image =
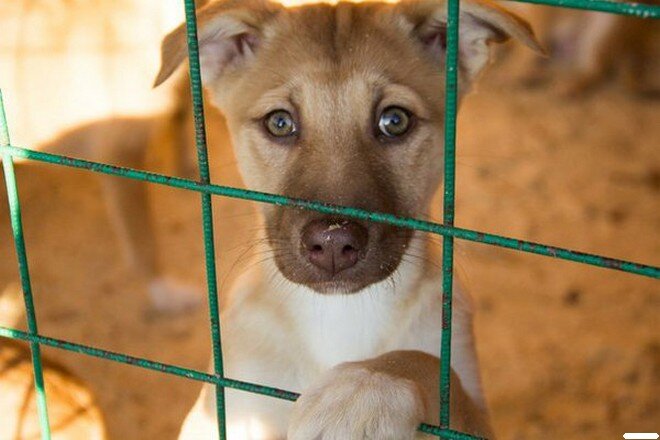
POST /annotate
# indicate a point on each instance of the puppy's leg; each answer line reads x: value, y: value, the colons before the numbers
x: 200, y: 422
x: 130, y: 213
x: 128, y: 208
x: 382, y: 398
x: 249, y: 417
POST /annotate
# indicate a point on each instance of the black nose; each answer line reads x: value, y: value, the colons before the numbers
x: 334, y: 245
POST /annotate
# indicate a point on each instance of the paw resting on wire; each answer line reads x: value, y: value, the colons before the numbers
x: 351, y: 401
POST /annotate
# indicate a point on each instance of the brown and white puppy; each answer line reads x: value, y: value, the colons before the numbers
x: 340, y: 103
x: 585, y: 47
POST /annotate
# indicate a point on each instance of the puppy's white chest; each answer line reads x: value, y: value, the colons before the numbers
x: 341, y: 328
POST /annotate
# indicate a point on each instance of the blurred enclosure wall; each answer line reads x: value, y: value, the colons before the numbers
x: 63, y: 62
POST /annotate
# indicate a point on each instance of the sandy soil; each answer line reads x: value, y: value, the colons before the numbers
x: 568, y: 351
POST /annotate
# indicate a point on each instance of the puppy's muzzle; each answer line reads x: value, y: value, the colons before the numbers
x: 334, y: 245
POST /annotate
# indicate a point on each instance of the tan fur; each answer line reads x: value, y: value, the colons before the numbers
x: 409, y: 379
x: 298, y: 66
x: 333, y: 68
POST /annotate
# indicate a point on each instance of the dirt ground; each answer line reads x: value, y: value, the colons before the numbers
x: 568, y: 351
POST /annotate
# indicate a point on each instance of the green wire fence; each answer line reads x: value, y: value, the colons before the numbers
x: 206, y: 190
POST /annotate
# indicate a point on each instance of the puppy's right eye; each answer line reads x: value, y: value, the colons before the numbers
x: 394, y: 122
x: 280, y: 123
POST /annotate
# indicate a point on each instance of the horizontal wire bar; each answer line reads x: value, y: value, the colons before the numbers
x: 379, y: 217
x: 148, y: 364
x: 634, y: 9
x: 448, y: 434
x: 188, y: 373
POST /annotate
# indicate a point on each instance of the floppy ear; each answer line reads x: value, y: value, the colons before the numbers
x: 229, y: 32
x: 480, y: 24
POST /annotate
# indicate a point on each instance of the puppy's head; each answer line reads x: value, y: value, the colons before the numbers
x: 343, y: 104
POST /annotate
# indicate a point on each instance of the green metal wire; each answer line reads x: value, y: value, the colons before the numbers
x: 207, y: 209
x: 451, y: 109
x: 26, y: 284
x: 325, y: 208
x: 148, y: 364
x: 203, y: 186
x: 640, y: 10
x: 6, y: 332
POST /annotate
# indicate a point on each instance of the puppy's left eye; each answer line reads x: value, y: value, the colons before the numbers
x: 280, y: 124
x: 394, y: 122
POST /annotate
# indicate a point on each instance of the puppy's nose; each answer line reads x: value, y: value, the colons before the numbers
x: 334, y: 245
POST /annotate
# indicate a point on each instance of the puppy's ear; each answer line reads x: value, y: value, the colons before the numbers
x: 229, y: 32
x: 480, y: 24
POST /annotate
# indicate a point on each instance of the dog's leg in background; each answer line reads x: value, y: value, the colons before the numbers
x: 127, y: 142
x: 131, y: 214
x: 130, y: 210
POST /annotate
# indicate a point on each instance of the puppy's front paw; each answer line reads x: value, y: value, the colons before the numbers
x: 351, y: 402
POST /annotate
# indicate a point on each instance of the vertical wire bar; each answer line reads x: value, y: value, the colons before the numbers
x: 451, y: 100
x: 207, y: 208
x: 26, y: 284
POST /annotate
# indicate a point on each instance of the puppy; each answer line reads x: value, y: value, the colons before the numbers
x: 340, y: 103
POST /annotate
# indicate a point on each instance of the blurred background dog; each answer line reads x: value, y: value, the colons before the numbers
x: 587, y: 48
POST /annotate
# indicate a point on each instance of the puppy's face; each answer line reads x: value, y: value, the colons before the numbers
x: 342, y: 104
